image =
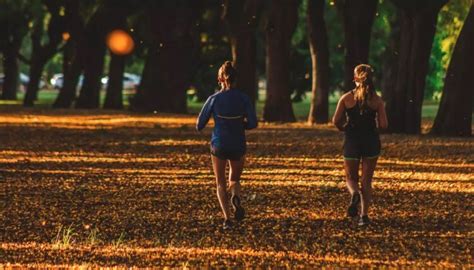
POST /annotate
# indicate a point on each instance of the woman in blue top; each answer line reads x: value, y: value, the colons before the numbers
x: 364, y: 113
x: 233, y: 113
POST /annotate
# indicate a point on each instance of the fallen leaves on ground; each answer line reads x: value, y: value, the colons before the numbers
x: 95, y: 188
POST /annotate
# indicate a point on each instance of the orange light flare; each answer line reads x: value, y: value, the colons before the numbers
x: 120, y: 42
x: 66, y: 36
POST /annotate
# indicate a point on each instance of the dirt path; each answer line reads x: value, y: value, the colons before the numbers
x: 121, y: 189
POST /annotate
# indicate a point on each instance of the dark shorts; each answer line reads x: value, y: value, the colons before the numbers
x: 227, y: 154
x: 357, y: 147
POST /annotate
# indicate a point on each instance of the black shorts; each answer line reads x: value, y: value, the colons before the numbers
x: 227, y: 154
x: 357, y: 147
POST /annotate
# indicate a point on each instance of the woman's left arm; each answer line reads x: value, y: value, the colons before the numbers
x: 250, y: 115
x: 337, y: 119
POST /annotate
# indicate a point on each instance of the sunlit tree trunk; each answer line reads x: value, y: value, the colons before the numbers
x: 454, y: 116
x: 168, y: 69
x: 318, y: 44
x: 358, y: 16
x: 418, y: 26
x: 242, y: 19
x: 281, y: 22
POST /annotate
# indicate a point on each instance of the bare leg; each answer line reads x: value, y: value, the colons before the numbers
x: 368, y: 167
x: 219, y: 171
x: 236, y: 168
x: 351, y: 168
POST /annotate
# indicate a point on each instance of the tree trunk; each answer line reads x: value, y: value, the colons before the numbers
x: 13, y: 28
x: 318, y: 44
x: 12, y: 69
x: 242, y: 19
x: 72, y: 59
x: 418, y: 26
x: 113, y: 97
x: 67, y: 94
x: 281, y: 23
x: 358, y: 16
x: 36, y: 69
x: 454, y: 117
x: 92, y: 52
x: 168, y: 68
x: 42, y: 53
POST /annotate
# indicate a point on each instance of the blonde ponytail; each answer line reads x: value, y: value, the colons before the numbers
x: 365, y: 90
x: 227, y: 72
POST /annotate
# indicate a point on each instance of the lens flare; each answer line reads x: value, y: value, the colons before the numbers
x: 120, y: 42
x: 66, y: 36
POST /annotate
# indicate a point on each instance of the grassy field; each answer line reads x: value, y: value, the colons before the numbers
x: 95, y: 188
x: 301, y: 109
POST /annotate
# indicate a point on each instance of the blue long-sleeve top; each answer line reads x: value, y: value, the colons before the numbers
x: 233, y: 113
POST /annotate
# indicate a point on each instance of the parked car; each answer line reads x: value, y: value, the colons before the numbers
x: 23, y: 81
x: 57, y: 81
x: 130, y: 81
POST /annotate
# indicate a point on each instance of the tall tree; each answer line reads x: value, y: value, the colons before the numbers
x: 92, y: 53
x: 118, y: 21
x: 213, y: 49
x: 242, y: 19
x: 169, y: 66
x: 281, y: 22
x: 358, y: 18
x: 418, y: 26
x: 14, y: 18
x: 113, y: 92
x: 318, y: 44
x: 72, y: 57
x: 42, y: 52
x: 454, y: 117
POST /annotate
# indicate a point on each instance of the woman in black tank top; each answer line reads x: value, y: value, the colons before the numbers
x: 364, y: 113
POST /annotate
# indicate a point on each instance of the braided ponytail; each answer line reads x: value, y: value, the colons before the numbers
x: 365, y: 89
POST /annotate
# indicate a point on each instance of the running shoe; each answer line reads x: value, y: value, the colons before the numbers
x: 364, y: 221
x: 239, y: 212
x: 353, y: 207
x: 227, y: 225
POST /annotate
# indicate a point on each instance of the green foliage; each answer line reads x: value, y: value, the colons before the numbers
x: 381, y: 31
x: 214, y: 50
x: 336, y: 45
x: 300, y: 66
x: 23, y: 15
x: 450, y: 22
x: 15, y: 16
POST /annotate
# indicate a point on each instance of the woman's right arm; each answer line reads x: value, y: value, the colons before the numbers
x: 338, y: 118
x: 205, y: 114
x: 382, y: 115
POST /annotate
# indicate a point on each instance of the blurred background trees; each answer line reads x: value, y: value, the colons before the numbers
x: 287, y: 51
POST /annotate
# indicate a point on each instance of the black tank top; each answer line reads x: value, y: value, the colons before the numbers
x: 361, y: 121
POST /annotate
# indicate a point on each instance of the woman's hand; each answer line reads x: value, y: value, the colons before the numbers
x: 338, y: 118
x: 341, y: 125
